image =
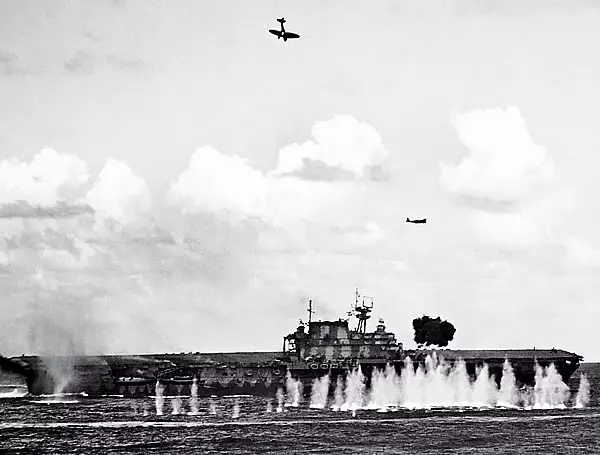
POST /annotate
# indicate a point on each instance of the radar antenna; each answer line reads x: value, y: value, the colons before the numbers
x: 362, y: 308
x: 310, y: 311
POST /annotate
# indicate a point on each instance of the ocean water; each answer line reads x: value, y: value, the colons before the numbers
x: 245, y: 424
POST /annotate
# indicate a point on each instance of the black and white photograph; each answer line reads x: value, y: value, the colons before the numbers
x: 299, y: 227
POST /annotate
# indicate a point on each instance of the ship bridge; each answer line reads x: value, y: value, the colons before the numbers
x: 334, y: 340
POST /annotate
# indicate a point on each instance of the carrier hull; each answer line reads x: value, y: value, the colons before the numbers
x: 326, y: 348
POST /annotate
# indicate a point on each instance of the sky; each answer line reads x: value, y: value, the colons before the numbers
x: 174, y: 178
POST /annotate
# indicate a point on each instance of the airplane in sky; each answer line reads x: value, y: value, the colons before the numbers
x: 423, y: 221
x: 282, y: 33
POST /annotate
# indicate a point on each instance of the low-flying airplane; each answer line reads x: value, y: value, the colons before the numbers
x: 423, y: 221
x: 282, y: 33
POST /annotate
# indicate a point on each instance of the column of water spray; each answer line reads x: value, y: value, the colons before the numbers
x: 194, y: 398
x: 385, y: 389
x: 294, y: 390
x: 236, y: 409
x: 279, y: 399
x: 485, y: 391
x: 508, y: 395
x: 158, y: 398
x: 354, y: 394
x: 583, y: 393
x: 338, y: 395
x: 550, y: 392
x: 319, y: 392
x: 176, y: 405
x: 438, y: 384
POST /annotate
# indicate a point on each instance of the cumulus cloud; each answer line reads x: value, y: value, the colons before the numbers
x: 43, y: 181
x: 119, y: 194
x: 215, y: 182
x: 504, y: 164
x: 342, y: 148
x: 174, y: 267
x: 507, y: 179
x: 218, y: 183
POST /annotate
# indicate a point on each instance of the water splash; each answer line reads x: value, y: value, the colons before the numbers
x: 583, y: 394
x: 319, y: 392
x: 212, y: 407
x: 269, y: 406
x: 437, y: 383
x: 338, y: 395
x: 236, y: 409
x: 508, y: 396
x: 385, y: 389
x: 354, y: 393
x: 61, y: 371
x: 159, y: 399
x: 194, y: 398
x: 279, y: 399
x: 176, y: 406
x: 550, y: 392
x: 16, y: 392
x: 484, y: 391
x: 294, y: 391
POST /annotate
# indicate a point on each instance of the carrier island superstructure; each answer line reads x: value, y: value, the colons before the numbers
x: 314, y: 349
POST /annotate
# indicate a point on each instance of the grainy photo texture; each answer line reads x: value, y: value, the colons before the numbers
x: 288, y: 227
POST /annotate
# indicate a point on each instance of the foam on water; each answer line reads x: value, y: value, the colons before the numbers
x: 17, y: 392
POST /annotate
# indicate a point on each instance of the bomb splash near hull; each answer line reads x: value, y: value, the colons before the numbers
x: 328, y: 365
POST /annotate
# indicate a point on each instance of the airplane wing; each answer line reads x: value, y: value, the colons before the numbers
x: 289, y: 35
x: 275, y: 32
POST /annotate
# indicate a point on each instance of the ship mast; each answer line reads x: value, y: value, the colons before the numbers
x: 310, y: 311
x: 362, y: 310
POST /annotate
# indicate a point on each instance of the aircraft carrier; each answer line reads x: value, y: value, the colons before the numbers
x: 313, y: 350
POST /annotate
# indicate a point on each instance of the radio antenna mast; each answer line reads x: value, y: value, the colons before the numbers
x: 310, y: 311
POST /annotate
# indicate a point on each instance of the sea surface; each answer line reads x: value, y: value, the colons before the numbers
x: 244, y: 424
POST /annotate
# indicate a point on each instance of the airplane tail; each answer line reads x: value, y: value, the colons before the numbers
x: 408, y: 220
x: 281, y: 21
